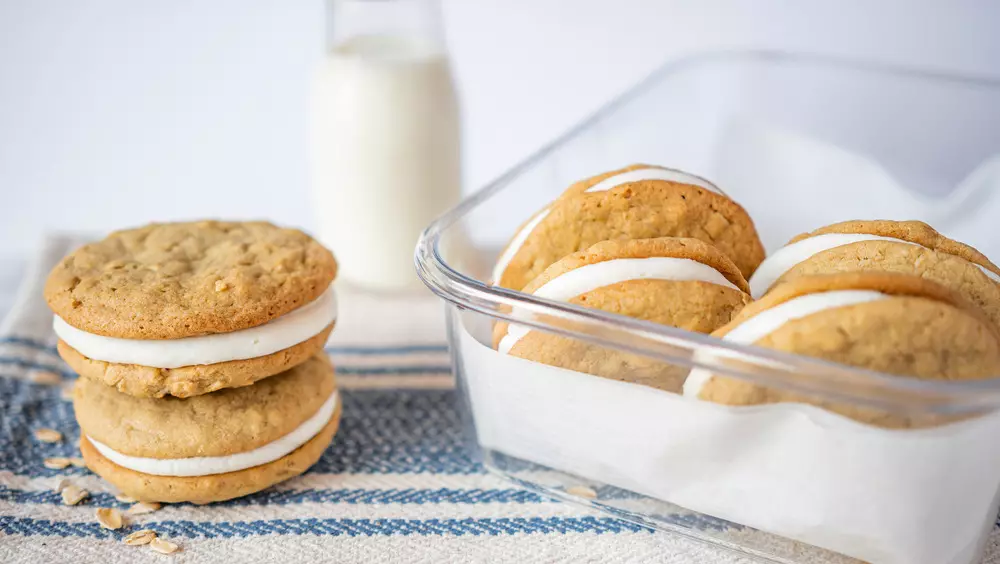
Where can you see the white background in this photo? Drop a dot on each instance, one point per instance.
(118, 112)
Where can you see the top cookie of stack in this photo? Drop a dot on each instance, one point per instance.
(188, 308)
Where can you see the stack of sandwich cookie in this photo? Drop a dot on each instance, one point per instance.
(637, 202)
(891, 323)
(679, 282)
(211, 447)
(906, 247)
(178, 331)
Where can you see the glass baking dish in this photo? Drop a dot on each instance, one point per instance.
(800, 142)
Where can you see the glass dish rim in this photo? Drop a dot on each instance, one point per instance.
(762, 366)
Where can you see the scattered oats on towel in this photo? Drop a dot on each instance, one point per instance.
(109, 518)
(78, 462)
(48, 435)
(67, 391)
(56, 463)
(72, 495)
(125, 498)
(140, 538)
(162, 546)
(582, 491)
(143, 507)
(62, 485)
(46, 377)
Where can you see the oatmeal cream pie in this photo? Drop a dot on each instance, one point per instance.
(906, 247)
(637, 202)
(683, 283)
(211, 447)
(887, 322)
(188, 308)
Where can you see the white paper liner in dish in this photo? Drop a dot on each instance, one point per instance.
(924, 496)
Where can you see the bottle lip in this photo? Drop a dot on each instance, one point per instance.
(347, 19)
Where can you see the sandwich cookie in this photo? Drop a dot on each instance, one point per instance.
(188, 308)
(683, 283)
(906, 247)
(210, 447)
(638, 202)
(886, 322)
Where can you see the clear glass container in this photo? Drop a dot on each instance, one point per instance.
(800, 142)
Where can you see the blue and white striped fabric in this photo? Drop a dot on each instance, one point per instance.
(398, 484)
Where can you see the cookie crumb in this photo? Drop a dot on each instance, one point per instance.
(78, 462)
(67, 391)
(582, 491)
(140, 538)
(221, 286)
(125, 498)
(162, 546)
(62, 485)
(73, 495)
(109, 518)
(56, 463)
(143, 507)
(48, 435)
(46, 377)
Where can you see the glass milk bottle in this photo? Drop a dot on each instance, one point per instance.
(385, 137)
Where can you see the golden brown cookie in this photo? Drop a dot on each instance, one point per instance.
(679, 282)
(217, 487)
(623, 205)
(916, 232)
(188, 308)
(213, 446)
(634, 173)
(186, 381)
(886, 322)
(906, 247)
(174, 280)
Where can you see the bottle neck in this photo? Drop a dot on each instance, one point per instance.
(355, 20)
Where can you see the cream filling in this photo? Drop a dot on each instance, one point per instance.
(785, 258)
(286, 331)
(651, 173)
(208, 465)
(516, 243)
(770, 320)
(593, 276)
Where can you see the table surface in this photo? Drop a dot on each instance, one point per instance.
(399, 483)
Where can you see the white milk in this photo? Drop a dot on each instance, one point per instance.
(385, 153)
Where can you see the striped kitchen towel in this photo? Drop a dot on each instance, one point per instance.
(399, 483)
